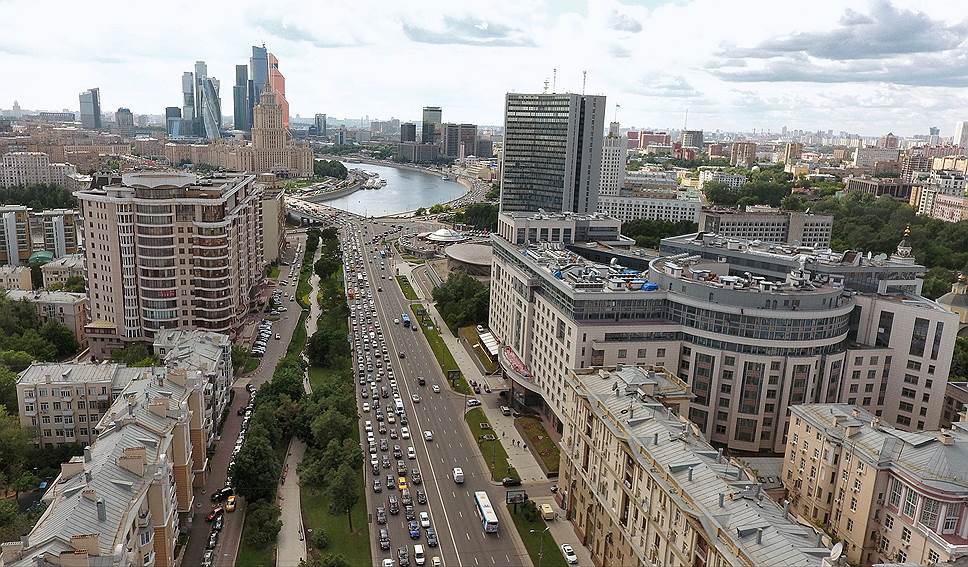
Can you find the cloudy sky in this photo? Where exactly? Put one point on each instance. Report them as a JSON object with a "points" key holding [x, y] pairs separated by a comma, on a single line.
{"points": [[865, 66]]}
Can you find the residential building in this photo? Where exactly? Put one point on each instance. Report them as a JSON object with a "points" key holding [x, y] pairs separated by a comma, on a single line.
{"points": [[277, 82], [63, 402], [210, 354], [413, 152], [320, 123], [955, 402], [654, 204], [552, 152], [868, 157], [240, 99], [124, 122], [33, 168], [646, 138], [643, 487], [56, 116], [123, 501], [888, 141], [15, 244], [60, 270], [912, 162], [742, 154], [752, 327], [890, 496], [15, 277], [692, 139], [731, 180], [408, 132], [68, 309], [273, 210], [767, 224], [170, 250], [430, 126], [949, 208], [958, 163], [613, 162], [893, 187], [91, 109], [961, 134], [647, 179], [792, 152], [60, 229]]}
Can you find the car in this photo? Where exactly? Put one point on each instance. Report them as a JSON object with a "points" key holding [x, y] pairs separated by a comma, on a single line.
{"points": [[415, 475], [215, 513], [401, 354], [386, 461], [208, 558], [381, 515], [384, 446], [405, 496], [424, 520], [408, 513], [414, 529], [435, 388], [505, 410], [511, 481], [363, 392], [432, 539], [222, 494], [212, 540], [458, 475], [377, 486], [471, 403], [569, 552], [218, 524], [391, 482], [415, 398], [387, 562], [404, 433], [421, 497], [366, 406], [393, 505], [403, 558], [384, 539], [428, 435], [401, 468], [397, 453], [278, 336], [411, 453], [230, 504], [393, 434], [396, 321]]}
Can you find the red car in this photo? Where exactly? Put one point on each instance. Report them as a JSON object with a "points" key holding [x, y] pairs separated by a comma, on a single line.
{"points": [[215, 513]]}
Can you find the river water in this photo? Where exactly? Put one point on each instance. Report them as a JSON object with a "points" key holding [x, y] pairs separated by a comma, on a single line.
{"points": [[406, 190]]}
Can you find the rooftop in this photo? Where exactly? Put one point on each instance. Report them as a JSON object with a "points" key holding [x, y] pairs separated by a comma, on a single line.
{"points": [[46, 296], [69, 261], [191, 348], [78, 373], [470, 253]]}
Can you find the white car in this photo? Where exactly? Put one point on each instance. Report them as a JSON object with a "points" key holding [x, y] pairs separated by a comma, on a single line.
{"points": [[428, 435], [366, 406], [415, 398], [411, 453], [424, 520], [472, 403], [404, 433], [569, 554], [435, 388], [368, 426]]}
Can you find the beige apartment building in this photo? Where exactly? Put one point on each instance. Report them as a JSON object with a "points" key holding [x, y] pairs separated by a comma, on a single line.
{"points": [[68, 309], [24, 231], [890, 496], [60, 270], [768, 224], [170, 250], [642, 487], [32, 168], [121, 503], [15, 277], [752, 327]]}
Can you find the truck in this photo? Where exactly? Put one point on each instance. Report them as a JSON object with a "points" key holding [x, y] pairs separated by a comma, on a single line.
{"points": [[406, 320]]}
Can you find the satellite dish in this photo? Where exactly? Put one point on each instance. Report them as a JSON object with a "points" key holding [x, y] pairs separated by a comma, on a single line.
{"points": [[836, 551]]}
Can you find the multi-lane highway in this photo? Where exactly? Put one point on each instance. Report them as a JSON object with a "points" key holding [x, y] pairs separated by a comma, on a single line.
{"points": [[450, 506]]}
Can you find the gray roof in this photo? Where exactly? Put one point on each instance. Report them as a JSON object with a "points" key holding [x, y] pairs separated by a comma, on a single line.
{"points": [[69, 261], [117, 375], [640, 420], [920, 456], [192, 349], [46, 296]]}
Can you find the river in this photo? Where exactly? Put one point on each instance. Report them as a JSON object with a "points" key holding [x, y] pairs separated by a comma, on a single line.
{"points": [[406, 190]]}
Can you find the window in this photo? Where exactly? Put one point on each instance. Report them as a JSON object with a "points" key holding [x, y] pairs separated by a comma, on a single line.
{"points": [[919, 337], [853, 504], [951, 514], [910, 503], [906, 535], [850, 524], [895, 498], [623, 353], [888, 521], [933, 556], [930, 511], [901, 556]]}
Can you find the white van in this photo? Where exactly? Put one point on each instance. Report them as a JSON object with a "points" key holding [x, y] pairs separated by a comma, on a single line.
{"points": [[458, 475], [418, 554]]}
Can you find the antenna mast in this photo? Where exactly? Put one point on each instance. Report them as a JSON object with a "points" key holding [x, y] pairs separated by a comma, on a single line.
{"points": [[584, 76], [554, 79], [685, 122], [546, 85]]}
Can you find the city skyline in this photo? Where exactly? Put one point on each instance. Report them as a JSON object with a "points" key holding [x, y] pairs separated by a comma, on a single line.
{"points": [[834, 68]]}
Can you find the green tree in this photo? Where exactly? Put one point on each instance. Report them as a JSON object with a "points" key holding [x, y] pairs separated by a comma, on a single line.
{"points": [[344, 492], [482, 216], [420, 212], [647, 232], [462, 301], [329, 168], [256, 469], [8, 389], [75, 284], [959, 360], [61, 337], [16, 360], [263, 523], [15, 446]]}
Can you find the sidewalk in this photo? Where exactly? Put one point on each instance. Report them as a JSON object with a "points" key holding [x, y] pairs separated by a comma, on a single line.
{"points": [[563, 531], [521, 459]]}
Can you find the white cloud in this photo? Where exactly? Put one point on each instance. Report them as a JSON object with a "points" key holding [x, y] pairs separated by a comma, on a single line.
{"points": [[735, 66]]}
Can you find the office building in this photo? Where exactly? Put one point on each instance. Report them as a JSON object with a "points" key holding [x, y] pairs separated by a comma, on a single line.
{"points": [[187, 260], [653, 204], [33, 168], [15, 277], [893, 187], [648, 179], [258, 77], [791, 152], [240, 99], [458, 140], [58, 271], [211, 109], [961, 135], [321, 125], [613, 162], [752, 327], [868, 157], [173, 118], [121, 503], [68, 309], [412, 152], [64, 117], [913, 161], [124, 121], [189, 111], [277, 82], [552, 152], [767, 224], [91, 109], [742, 154], [408, 132], [890, 496], [731, 180], [692, 139], [642, 487], [201, 73], [485, 148], [431, 125], [888, 141]]}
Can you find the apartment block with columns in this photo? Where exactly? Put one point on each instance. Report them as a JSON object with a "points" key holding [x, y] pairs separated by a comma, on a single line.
{"points": [[890, 496]]}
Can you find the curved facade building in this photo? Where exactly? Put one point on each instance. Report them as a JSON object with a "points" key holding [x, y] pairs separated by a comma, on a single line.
{"points": [[168, 250], [751, 328]]}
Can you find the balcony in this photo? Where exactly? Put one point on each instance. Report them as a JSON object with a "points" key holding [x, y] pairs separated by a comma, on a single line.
{"points": [[144, 519]]}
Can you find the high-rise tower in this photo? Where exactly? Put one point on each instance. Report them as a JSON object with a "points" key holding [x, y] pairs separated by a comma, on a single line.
{"points": [[431, 127], [201, 73], [278, 83], [211, 109], [91, 109], [188, 102], [258, 77], [240, 98], [614, 149]]}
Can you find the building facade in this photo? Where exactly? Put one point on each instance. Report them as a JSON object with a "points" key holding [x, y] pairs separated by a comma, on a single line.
{"points": [[240, 99], [277, 82], [742, 154], [769, 225], [458, 140], [867, 157], [430, 126], [33, 168], [167, 250], [15, 277], [893, 187], [731, 180], [656, 204], [613, 162], [890, 496], [552, 152], [60, 270], [642, 487], [91, 109], [68, 309]]}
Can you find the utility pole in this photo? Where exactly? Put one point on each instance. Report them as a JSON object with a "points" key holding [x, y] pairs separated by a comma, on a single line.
{"points": [[541, 544]]}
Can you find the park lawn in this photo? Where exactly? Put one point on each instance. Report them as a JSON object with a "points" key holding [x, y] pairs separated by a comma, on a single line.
{"points": [[443, 355], [525, 522], [406, 288], [251, 555], [251, 363], [273, 271], [353, 545], [492, 450], [299, 338], [539, 441]]}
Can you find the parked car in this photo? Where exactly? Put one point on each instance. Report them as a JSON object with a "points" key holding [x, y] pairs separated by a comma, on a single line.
{"points": [[215, 513], [511, 481], [569, 553]]}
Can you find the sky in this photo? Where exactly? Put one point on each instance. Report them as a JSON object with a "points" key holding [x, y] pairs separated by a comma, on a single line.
{"points": [[868, 66]]}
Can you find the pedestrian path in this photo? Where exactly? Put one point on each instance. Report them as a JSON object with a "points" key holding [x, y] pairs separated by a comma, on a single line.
{"points": [[563, 531]]}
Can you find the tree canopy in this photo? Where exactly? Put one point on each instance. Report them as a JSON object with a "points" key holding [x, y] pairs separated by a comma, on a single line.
{"points": [[647, 232], [38, 197], [329, 168], [481, 216], [462, 301]]}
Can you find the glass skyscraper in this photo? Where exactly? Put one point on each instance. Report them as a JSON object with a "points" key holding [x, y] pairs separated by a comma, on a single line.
{"points": [[240, 99], [91, 109]]}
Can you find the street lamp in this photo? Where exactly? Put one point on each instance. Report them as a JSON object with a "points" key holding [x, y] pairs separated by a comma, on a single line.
{"points": [[541, 544]]}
